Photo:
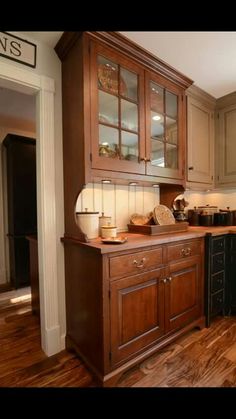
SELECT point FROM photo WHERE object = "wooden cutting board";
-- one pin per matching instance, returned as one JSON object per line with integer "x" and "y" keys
{"x": 162, "y": 215}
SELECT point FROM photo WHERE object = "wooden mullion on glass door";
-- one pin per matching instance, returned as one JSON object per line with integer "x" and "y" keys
{"x": 147, "y": 123}
{"x": 119, "y": 113}
{"x": 164, "y": 137}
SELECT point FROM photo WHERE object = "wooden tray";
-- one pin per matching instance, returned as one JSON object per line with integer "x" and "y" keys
{"x": 157, "y": 229}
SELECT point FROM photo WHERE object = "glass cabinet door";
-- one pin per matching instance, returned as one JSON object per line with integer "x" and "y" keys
{"x": 117, "y": 103}
{"x": 164, "y": 137}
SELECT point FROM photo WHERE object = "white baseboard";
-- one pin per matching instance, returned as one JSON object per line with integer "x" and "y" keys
{"x": 63, "y": 342}
{"x": 51, "y": 344}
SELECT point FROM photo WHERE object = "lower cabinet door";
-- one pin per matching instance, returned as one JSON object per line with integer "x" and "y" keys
{"x": 137, "y": 314}
{"x": 231, "y": 283}
{"x": 184, "y": 293}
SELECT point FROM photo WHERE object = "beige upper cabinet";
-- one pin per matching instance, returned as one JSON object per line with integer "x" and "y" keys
{"x": 200, "y": 138}
{"x": 226, "y": 141}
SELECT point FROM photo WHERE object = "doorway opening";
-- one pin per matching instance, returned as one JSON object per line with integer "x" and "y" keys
{"x": 18, "y": 200}
{"x": 52, "y": 325}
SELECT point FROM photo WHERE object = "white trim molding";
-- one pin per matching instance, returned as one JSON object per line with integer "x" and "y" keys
{"x": 28, "y": 82}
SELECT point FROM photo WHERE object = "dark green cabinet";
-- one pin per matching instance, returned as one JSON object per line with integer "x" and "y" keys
{"x": 220, "y": 275}
{"x": 231, "y": 263}
{"x": 215, "y": 268}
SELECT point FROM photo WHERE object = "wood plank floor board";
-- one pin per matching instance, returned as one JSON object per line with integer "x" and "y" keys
{"x": 200, "y": 358}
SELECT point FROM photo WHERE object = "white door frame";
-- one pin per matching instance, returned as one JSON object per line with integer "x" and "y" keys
{"x": 43, "y": 87}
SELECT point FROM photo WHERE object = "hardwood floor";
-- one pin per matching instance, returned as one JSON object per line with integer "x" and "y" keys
{"x": 205, "y": 358}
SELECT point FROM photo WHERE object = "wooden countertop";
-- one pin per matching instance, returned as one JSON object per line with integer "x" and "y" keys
{"x": 136, "y": 241}
{"x": 215, "y": 231}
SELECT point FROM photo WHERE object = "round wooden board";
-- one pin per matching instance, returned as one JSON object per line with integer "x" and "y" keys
{"x": 162, "y": 215}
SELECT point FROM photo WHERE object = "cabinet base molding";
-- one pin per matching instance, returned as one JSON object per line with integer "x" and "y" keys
{"x": 111, "y": 379}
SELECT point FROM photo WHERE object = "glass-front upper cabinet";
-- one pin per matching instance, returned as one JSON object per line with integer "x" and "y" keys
{"x": 164, "y": 128}
{"x": 117, "y": 112}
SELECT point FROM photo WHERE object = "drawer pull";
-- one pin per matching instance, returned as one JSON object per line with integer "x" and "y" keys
{"x": 140, "y": 264}
{"x": 186, "y": 251}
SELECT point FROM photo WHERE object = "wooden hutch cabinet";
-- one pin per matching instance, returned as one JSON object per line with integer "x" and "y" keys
{"x": 124, "y": 304}
{"x": 124, "y": 120}
{"x": 124, "y": 115}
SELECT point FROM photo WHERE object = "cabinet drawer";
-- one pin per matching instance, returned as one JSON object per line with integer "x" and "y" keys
{"x": 124, "y": 265}
{"x": 183, "y": 250}
{"x": 218, "y": 245}
{"x": 218, "y": 281}
{"x": 217, "y": 302}
{"x": 218, "y": 263}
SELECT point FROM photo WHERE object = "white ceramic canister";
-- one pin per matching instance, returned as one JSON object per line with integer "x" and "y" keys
{"x": 109, "y": 231}
{"x": 88, "y": 223}
{"x": 103, "y": 221}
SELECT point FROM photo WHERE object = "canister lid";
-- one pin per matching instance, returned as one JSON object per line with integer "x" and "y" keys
{"x": 108, "y": 227}
{"x": 104, "y": 216}
{"x": 87, "y": 212}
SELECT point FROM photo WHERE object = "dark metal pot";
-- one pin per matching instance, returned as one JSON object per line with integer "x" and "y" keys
{"x": 206, "y": 220}
{"x": 193, "y": 217}
{"x": 223, "y": 218}
{"x": 231, "y": 216}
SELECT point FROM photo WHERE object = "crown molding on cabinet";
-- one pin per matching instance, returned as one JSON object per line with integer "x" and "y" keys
{"x": 127, "y": 47}
{"x": 226, "y": 100}
{"x": 199, "y": 94}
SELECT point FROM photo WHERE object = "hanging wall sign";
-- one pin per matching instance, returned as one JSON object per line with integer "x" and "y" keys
{"x": 17, "y": 49}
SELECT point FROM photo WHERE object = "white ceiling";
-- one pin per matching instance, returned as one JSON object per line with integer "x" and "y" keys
{"x": 208, "y": 58}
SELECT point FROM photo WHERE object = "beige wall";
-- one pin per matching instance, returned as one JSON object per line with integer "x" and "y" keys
{"x": 222, "y": 199}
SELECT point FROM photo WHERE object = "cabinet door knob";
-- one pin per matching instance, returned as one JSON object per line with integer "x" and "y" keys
{"x": 191, "y": 168}
{"x": 186, "y": 251}
{"x": 139, "y": 264}
{"x": 163, "y": 280}
{"x": 169, "y": 278}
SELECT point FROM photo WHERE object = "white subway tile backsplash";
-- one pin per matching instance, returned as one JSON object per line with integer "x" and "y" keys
{"x": 122, "y": 209}
{"x": 78, "y": 207}
{"x": 131, "y": 200}
{"x": 118, "y": 201}
{"x": 108, "y": 194}
{"x": 87, "y": 198}
{"x": 97, "y": 196}
{"x": 150, "y": 199}
{"x": 139, "y": 200}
